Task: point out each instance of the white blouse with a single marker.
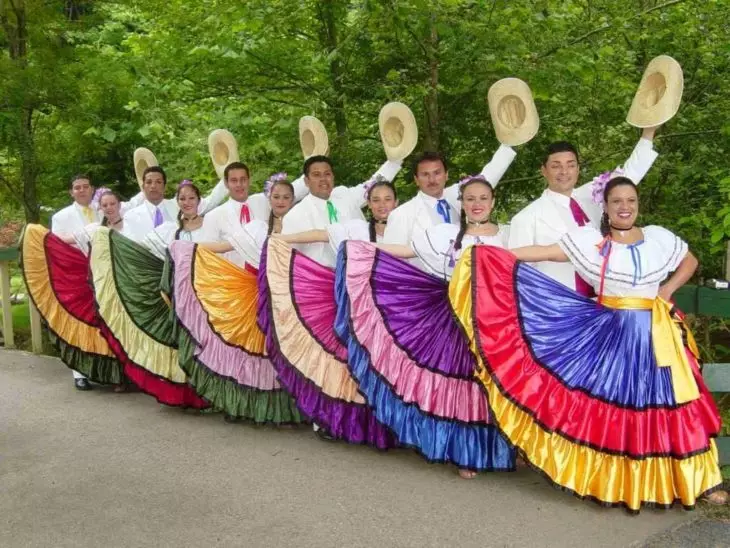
(435, 246)
(356, 229)
(161, 237)
(634, 270)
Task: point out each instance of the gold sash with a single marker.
(666, 336)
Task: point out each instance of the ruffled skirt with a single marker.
(412, 361)
(127, 287)
(297, 314)
(57, 277)
(221, 347)
(576, 387)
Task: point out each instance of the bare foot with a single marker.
(718, 498)
(466, 474)
(119, 388)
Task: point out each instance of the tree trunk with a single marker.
(328, 39)
(14, 24)
(432, 140)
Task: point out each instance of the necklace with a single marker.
(622, 231)
(377, 222)
(477, 223)
(190, 219)
(115, 223)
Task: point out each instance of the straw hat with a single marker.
(659, 94)
(313, 137)
(514, 115)
(143, 158)
(223, 149)
(398, 130)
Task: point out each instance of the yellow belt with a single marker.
(666, 336)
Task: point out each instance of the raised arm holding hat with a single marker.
(562, 207)
(327, 204)
(515, 122)
(155, 209)
(225, 221)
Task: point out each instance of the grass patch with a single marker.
(21, 317)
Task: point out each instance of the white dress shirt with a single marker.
(547, 219)
(312, 214)
(420, 213)
(220, 224)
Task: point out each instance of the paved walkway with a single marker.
(104, 469)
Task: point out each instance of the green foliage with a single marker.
(118, 75)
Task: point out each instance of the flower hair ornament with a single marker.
(98, 193)
(469, 179)
(184, 182)
(600, 182)
(377, 178)
(280, 177)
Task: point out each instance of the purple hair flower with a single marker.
(377, 178)
(280, 177)
(97, 196)
(600, 182)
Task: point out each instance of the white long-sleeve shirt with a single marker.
(71, 220)
(548, 218)
(420, 213)
(140, 221)
(220, 224)
(312, 214)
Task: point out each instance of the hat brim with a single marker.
(659, 94)
(398, 130)
(513, 111)
(313, 137)
(142, 159)
(223, 149)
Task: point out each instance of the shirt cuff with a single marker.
(390, 169)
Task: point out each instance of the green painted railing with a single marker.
(704, 301)
(8, 255)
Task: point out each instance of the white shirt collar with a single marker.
(430, 201)
(557, 198)
(235, 205)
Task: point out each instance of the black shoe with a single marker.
(82, 384)
(324, 435)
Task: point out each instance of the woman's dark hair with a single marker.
(288, 185)
(196, 190)
(155, 169)
(462, 217)
(371, 223)
(105, 221)
(613, 183)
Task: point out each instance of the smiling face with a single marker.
(82, 191)
(622, 206)
(381, 202)
(188, 201)
(153, 187)
(320, 180)
(561, 171)
(281, 200)
(477, 201)
(110, 207)
(237, 184)
(431, 177)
